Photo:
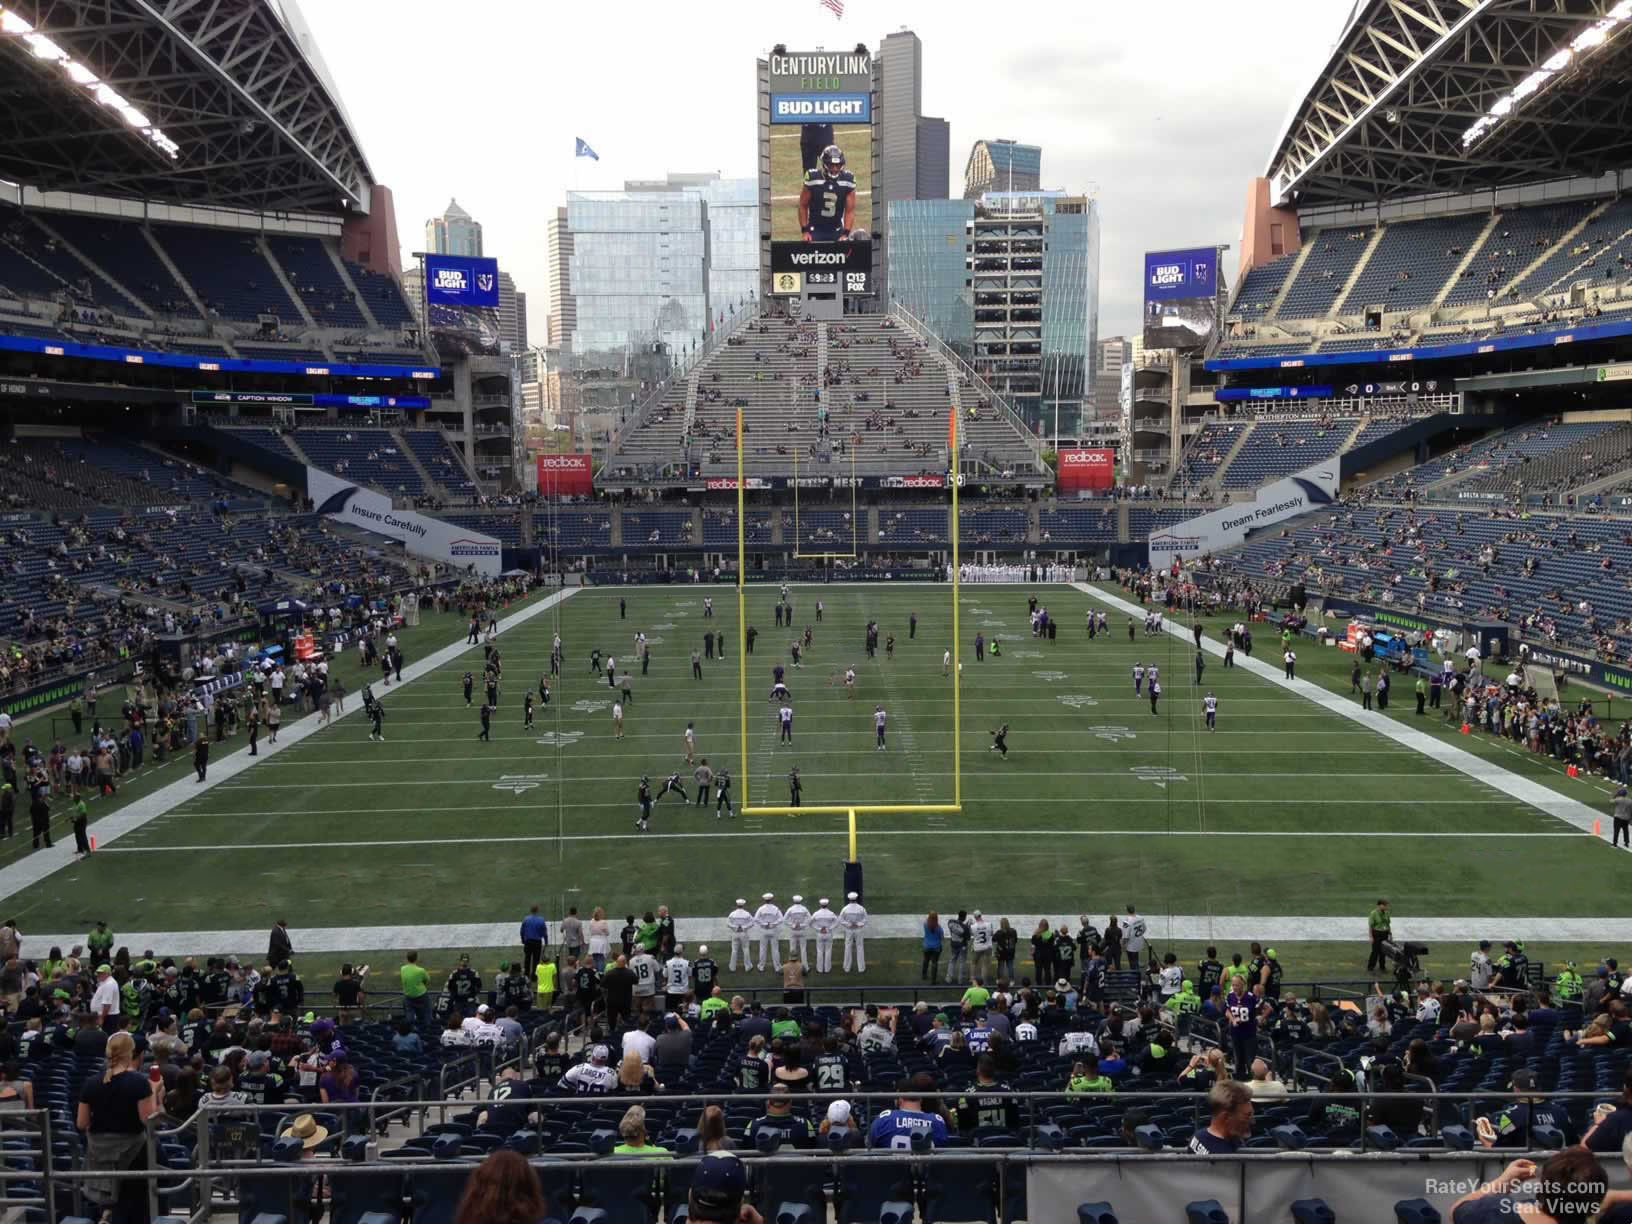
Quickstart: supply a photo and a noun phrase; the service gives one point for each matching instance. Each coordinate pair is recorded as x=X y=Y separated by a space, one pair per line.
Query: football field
x=1289 y=808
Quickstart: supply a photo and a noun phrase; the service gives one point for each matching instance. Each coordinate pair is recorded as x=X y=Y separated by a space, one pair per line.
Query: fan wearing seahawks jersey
x=988 y=1103
x=592 y=1078
x=827 y=202
x=831 y=1070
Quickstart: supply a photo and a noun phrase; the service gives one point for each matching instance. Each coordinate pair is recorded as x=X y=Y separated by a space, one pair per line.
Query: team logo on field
x=1051 y=675
x=560 y=739
x=1161 y=775
x=1078 y=701
x=518 y=784
x=664 y=625
x=980 y=611
x=1115 y=734
x=994 y=624
x=1028 y=654
x=588 y=705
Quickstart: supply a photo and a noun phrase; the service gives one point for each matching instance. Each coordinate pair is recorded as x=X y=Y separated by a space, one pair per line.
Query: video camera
x=1406 y=958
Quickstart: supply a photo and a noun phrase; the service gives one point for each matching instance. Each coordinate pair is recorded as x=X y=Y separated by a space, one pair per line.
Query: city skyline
x=1143 y=133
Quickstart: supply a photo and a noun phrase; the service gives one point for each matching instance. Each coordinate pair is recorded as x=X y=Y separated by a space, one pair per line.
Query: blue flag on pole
x=583 y=150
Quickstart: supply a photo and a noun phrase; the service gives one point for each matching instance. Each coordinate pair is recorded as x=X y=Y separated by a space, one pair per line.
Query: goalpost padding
x=853 y=810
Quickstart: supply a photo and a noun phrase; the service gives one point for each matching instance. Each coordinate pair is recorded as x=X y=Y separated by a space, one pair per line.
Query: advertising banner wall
x=1274 y=503
x=1086 y=469
x=431 y=538
x=1181 y=298
x=565 y=475
x=797 y=265
x=461 y=280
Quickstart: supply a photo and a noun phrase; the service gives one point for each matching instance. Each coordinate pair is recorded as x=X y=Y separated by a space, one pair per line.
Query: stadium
x=1223 y=825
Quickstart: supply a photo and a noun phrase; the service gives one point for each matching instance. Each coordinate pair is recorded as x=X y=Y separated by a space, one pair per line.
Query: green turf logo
x=1028 y=654
x=1115 y=734
x=1051 y=675
x=520 y=784
x=664 y=625
x=586 y=705
x=1078 y=701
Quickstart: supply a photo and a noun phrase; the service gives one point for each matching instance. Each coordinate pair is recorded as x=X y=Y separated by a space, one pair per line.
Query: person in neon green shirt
x=1186 y=1000
x=100 y=941
x=976 y=996
x=416 y=990
x=546 y=974
x=713 y=1005
x=646 y=935
x=1085 y=1078
x=632 y=1131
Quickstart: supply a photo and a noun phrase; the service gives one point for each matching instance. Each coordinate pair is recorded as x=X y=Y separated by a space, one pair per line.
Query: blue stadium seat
x=960 y=1192
x=1312 y=1211
x=866 y=1186
x=1416 y=1211
x=1095 y=1213
x=1205 y=1211
x=895 y=1213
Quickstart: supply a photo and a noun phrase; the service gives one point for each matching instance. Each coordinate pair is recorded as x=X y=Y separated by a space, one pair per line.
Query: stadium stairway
x=1552 y=253
x=413 y=461
x=358 y=300
x=1336 y=307
x=170 y=266
x=1217 y=478
x=95 y=269
x=1298 y=261
x=294 y=294
x=1455 y=278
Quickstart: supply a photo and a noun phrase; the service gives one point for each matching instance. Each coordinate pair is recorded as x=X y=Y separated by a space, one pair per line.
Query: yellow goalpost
x=856 y=810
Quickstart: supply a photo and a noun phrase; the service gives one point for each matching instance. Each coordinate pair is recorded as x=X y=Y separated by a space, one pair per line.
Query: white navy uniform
x=741 y=922
x=768 y=918
x=824 y=921
x=853 y=918
x=797 y=917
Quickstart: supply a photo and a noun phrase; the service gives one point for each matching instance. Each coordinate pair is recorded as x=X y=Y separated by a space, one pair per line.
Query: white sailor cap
x=822 y=901
x=742 y=900
x=797 y=899
x=768 y=897
x=852 y=896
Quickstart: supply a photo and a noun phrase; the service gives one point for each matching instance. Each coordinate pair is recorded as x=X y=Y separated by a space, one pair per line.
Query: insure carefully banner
x=1274 y=503
x=337 y=498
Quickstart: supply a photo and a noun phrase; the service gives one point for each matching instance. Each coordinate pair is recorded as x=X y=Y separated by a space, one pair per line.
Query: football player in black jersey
x=827 y=202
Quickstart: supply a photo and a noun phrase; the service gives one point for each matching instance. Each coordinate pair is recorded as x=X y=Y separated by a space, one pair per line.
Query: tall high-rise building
x=563 y=315
x=660 y=261
x=1011 y=281
x=1114 y=353
x=1002 y=165
x=455 y=232
x=521 y=322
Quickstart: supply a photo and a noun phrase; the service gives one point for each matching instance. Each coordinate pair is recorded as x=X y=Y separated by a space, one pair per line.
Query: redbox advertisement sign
x=1087 y=469
x=565 y=476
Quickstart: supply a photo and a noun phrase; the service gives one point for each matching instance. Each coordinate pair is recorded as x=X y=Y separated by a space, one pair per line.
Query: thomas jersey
x=828 y=200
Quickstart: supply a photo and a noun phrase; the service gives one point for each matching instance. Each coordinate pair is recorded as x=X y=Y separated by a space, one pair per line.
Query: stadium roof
x=244 y=110
x=1423 y=97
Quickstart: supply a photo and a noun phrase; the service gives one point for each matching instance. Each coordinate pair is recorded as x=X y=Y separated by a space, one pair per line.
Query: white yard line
x=1542 y=798
x=42 y=863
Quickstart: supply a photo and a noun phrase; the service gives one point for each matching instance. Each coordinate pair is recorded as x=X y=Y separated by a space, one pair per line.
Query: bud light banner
x=565 y=475
x=458 y=280
x=1086 y=469
x=1181 y=298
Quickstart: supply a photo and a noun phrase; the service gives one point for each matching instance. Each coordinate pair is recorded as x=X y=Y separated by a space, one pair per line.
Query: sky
x=1163 y=111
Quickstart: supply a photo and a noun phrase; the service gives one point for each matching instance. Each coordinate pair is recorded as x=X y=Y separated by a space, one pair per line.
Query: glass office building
x=661 y=262
x=1011 y=281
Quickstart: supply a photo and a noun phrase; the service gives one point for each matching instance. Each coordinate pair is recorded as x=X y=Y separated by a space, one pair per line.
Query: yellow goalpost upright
x=851 y=811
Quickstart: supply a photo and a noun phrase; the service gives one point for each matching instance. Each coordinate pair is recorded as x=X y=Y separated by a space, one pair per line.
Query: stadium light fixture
x=79 y=74
x=1588 y=40
x=44 y=48
x=11 y=23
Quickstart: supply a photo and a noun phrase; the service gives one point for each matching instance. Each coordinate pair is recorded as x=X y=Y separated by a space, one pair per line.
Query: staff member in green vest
x=416 y=991
x=1381 y=933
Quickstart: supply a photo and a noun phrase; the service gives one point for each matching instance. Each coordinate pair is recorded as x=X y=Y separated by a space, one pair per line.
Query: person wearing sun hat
x=106 y=1003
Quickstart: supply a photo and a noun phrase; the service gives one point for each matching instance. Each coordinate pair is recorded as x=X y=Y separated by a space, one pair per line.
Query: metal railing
x=962 y=369
x=187 y=1172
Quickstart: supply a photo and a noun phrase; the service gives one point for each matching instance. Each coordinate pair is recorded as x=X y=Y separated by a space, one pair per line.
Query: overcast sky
x=1164 y=110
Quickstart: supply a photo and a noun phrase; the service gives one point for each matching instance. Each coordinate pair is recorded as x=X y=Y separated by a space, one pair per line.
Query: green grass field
x=1280 y=812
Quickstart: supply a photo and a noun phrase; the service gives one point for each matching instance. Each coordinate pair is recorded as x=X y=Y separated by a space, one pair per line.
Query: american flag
x=835 y=6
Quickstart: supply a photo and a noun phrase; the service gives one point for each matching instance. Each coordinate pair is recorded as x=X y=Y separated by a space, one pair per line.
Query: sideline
x=33 y=868
x=1543 y=798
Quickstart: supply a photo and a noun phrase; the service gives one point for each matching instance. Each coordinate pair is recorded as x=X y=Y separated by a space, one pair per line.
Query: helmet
x=832 y=159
